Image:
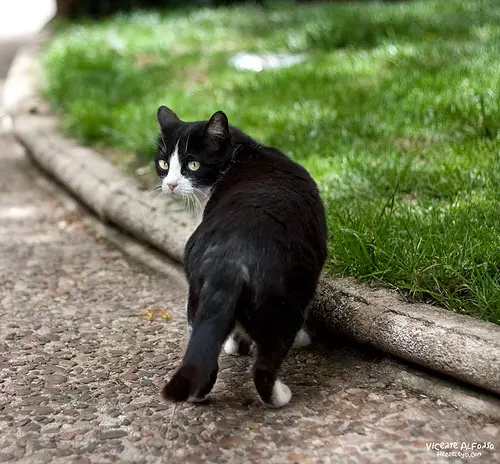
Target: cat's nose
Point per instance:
(172, 185)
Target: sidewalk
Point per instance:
(21, 18)
(82, 366)
(19, 21)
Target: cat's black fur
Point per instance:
(256, 257)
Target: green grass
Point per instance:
(395, 114)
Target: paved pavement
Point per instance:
(82, 365)
(19, 20)
(22, 18)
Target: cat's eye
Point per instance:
(194, 165)
(163, 164)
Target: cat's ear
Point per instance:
(166, 117)
(218, 126)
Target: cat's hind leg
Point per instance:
(270, 355)
(238, 343)
(274, 327)
(302, 339)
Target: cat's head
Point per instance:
(191, 156)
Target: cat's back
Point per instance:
(267, 178)
(269, 199)
(264, 219)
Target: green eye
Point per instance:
(163, 164)
(194, 165)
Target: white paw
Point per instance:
(301, 339)
(231, 347)
(281, 395)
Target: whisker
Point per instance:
(162, 146)
(192, 204)
(197, 190)
(155, 141)
(155, 189)
(195, 203)
(185, 203)
(198, 202)
(159, 195)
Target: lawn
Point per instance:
(395, 113)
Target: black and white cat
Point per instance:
(254, 261)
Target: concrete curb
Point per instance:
(453, 344)
(456, 345)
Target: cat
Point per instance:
(253, 262)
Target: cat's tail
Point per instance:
(213, 321)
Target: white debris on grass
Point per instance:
(258, 61)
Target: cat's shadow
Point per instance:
(329, 365)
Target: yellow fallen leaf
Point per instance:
(151, 313)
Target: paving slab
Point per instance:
(82, 366)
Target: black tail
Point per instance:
(213, 321)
